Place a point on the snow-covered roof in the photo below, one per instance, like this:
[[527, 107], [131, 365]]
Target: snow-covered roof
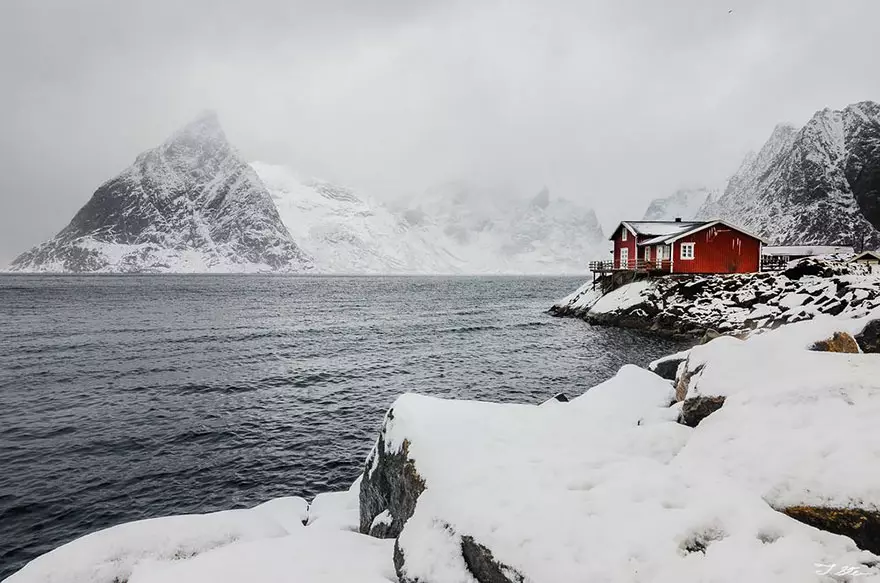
[[655, 228], [875, 255], [805, 250], [670, 232]]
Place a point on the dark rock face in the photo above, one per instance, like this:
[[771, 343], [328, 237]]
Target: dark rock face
[[816, 185], [869, 338], [483, 566], [667, 368], [390, 482], [863, 526], [696, 409], [839, 342], [192, 199]]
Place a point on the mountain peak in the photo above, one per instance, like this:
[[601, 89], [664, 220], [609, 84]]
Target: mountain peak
[[205, 128]]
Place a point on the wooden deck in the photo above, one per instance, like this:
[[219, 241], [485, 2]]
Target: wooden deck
[[637, 265]]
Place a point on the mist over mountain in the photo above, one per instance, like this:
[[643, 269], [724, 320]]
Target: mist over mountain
[[684, 203], [193, 205]]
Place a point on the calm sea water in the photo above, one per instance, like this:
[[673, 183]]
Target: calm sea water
[[127, 397]]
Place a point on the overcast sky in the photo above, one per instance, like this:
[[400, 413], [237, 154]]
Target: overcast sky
[[612, 103]]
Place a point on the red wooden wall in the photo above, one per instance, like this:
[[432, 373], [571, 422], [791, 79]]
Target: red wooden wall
[[630, 244], [718, 249]]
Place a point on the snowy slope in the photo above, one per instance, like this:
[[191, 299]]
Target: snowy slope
[[451, 229], [189, 205], [816, 185], [348, 232], [684, 203]]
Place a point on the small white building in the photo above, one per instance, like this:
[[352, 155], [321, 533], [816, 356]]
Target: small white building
[[787, 253], [870, 258]]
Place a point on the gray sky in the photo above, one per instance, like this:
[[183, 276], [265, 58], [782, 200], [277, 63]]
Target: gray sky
[[613, 102]]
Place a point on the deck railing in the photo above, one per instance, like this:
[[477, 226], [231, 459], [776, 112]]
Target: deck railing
[[630, 265]]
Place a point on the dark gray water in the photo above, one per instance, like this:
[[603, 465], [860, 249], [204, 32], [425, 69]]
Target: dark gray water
[[129, 397]]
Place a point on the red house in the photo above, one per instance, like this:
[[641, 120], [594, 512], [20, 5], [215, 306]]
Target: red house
[[685, 247]]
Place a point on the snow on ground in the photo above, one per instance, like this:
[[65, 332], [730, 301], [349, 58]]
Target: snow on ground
[[109, 555], [336, 510], [797, 426], [514, 476], [622, 298], [580, 300], [304, 556]]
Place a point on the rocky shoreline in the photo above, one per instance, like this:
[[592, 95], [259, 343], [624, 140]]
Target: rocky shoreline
[[690, 305]]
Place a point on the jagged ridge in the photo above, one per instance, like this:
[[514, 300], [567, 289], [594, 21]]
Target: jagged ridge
[[819, 184]]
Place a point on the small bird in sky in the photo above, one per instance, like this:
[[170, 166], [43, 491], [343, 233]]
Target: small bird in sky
[[730, 11]]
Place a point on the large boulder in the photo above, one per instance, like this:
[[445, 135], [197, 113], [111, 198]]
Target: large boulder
[[517, 493]]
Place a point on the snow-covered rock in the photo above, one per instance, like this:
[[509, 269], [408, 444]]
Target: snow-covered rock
[[584, 491], [684, 204], [190, 205], [819, 184], [731, 304], [796, 426]]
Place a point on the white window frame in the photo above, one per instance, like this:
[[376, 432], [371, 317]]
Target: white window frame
[[624, 258], [624, 234], [688, 251], [647, 253]]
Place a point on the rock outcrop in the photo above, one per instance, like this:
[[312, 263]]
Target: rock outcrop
[[390, 484], [736, 304]]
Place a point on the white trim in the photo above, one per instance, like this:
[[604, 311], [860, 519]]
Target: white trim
[[692, 247], [623, 234], [626, 226], [648, 253]]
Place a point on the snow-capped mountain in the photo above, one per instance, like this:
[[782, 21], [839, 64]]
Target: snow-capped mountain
[[819, 184], [684, 203], [190, 205]]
